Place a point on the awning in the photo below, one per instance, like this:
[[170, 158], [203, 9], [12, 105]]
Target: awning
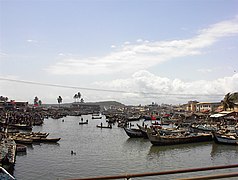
[[221, 114], [218, 115]]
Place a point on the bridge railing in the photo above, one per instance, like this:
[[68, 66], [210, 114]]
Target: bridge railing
[[129, 176]]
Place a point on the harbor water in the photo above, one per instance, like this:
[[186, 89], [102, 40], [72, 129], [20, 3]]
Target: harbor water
[[103, 152]]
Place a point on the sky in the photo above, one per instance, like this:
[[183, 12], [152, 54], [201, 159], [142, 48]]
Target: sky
[[130, 51]]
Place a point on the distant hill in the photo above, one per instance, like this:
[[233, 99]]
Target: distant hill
[[108, 104], [102, 104]]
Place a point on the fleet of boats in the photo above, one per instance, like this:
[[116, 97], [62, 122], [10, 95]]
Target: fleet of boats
[[158, 132], [161, 135]]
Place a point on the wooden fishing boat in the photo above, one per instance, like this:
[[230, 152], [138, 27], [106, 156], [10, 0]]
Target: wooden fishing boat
[[83, 122], [101, 126], [21, 126], [40, 139], [202, 128], [230, 139], [133, 133], [143, 131], [182, 138], [35, 134], [22, 140], [134, 118], [52, 140], [96, 117]]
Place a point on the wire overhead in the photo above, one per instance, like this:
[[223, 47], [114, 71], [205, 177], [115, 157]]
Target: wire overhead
[[104, 90]]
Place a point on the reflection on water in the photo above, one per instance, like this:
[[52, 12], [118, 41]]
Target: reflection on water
[[156, 150], [220, 152], [21, 153]]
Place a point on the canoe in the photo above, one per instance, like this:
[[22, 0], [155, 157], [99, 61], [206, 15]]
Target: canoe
[[96, 117], [133, 133], [21, 126], [22, 140], [157, 139], [53, 140], [86, 122], [100, 126], [225, 139], [39, 139]]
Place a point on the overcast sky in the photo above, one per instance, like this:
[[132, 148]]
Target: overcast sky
[[139, 51]]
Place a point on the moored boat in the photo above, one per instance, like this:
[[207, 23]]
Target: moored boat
[[230, 139], [21, 126], [202, 128], [143, 131], [39, 139], [83, 122], [96, 116], [133, 133], [182, 138], [22, 140], [101, 126]]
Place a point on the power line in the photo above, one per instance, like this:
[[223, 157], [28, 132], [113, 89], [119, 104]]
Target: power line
[[105, 90]]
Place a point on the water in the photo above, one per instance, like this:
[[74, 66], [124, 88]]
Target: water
[[102, 152]]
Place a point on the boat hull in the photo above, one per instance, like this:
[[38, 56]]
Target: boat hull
[[167, 140], [133, 133], [225, 140]]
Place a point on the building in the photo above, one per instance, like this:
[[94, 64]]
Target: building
[[207, 106], [191, 106]]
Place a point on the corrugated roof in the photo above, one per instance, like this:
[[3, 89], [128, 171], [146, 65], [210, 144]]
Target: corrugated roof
[[221, 114]]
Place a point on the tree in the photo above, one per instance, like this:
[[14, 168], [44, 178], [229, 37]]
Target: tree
[[79, 95], [59, 99], [82, 100], [230, 101], [75, 97], [36, 99], [3, 99], [40, 102]]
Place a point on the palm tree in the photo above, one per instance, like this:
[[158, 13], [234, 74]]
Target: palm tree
[[59, 99], [36, 101], [79, 95], [230, 100], [40, 102], [75, 97]]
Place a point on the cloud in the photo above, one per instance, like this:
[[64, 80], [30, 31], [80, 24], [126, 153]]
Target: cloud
[[145, 54], [205, 70], [148, 87], [142, 87], [31, 41], [2, 54]]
